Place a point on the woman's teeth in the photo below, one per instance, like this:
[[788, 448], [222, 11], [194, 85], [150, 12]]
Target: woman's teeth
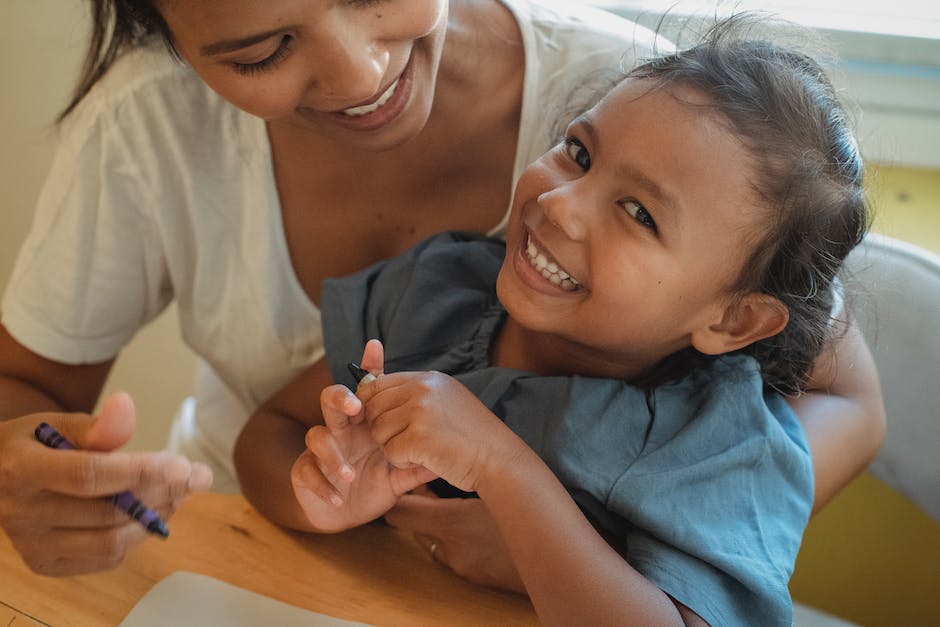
[[369, 108], [549, 269]]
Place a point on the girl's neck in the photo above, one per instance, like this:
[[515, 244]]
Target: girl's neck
[[544, 354]]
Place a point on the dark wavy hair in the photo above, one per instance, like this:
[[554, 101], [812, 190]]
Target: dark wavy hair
[[117, 25], [783, 108]]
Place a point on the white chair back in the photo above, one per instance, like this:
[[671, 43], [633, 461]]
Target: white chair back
[[894, 290]]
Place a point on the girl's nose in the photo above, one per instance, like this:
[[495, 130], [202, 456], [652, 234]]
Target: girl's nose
[[349, 68], [566, 209]]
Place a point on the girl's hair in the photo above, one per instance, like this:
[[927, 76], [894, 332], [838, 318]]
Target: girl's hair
[[117, 25], [808, 173]]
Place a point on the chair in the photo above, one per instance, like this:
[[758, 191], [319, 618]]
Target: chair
[[894, 290], [897, 289]]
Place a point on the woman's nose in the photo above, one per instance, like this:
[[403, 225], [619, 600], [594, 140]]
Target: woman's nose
[[348, 69], [564, 207]]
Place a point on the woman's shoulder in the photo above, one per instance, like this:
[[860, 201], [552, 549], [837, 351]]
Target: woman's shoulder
[[579, 28], [146, 89]]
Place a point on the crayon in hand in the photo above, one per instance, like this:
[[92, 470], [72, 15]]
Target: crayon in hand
[[125, 501], [360, 374]]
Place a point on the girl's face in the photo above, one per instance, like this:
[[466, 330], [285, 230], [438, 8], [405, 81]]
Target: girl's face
[[624, 240], [360, 71]]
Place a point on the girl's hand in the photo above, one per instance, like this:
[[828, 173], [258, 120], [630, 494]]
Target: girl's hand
[[343, 479], [429, 419], [53, 503], [463, 535]]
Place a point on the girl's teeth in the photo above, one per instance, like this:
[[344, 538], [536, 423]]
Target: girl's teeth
[[369, 108], [549, 269]]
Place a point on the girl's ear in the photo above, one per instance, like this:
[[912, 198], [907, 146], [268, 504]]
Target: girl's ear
[[744, 322]]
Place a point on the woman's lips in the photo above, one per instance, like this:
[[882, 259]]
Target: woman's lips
[[384, 108], [369, 107]]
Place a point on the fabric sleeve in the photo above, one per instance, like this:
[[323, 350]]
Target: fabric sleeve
[[427, 306], [91, 271], [719, 497]]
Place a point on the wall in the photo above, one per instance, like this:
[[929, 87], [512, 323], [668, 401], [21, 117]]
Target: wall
[[41, 50]]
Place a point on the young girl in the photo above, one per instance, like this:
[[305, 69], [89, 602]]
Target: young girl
[[666, 279]]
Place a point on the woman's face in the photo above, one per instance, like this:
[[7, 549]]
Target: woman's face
[[625, 239], [360, 71]]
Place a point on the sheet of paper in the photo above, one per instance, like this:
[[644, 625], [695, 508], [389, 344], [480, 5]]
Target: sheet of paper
[[187, 599]]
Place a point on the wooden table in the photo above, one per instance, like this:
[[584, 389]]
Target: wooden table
[[374, 574]]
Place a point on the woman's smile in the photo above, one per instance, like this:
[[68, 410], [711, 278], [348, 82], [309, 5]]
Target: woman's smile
[[381, 109]]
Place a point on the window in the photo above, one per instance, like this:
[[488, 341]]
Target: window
[[887, 64]]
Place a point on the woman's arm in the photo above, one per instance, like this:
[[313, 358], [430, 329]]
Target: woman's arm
[[842, 413]]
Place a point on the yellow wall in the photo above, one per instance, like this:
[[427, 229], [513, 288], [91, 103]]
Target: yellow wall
[[871, 556]]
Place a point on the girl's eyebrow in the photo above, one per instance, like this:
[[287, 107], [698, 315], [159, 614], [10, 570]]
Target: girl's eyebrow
[[230, 45]]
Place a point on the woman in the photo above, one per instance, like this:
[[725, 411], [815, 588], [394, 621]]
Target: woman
[[301, 139]]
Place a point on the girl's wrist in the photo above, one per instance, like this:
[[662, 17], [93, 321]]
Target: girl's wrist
[[508, 454]]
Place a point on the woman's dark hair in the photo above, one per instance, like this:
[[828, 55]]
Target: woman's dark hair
[[808, 173], [117, 25]]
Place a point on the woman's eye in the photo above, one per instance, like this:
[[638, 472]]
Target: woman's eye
[[639, 213], [578, 153], [269, 62]]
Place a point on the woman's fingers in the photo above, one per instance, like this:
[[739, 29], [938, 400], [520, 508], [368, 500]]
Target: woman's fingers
[[91, 474], [59, 552]]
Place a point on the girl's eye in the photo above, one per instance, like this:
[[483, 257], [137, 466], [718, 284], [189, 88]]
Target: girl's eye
[[578, 153], [639, 213], [269, 62]]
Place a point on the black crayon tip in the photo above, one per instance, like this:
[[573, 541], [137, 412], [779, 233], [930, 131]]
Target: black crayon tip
[[158, 528], [357, 372]]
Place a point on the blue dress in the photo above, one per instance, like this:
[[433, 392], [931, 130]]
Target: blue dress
[[704, 485]]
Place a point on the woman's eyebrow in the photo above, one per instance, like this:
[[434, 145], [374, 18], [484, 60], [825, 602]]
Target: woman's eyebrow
[[230, 45]]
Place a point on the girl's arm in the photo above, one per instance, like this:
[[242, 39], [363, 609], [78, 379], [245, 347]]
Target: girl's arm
[[842, 413], [571, 574], [273, 439], [547, 534]]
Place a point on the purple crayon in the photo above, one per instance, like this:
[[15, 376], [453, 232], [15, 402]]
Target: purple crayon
[[125, 501]]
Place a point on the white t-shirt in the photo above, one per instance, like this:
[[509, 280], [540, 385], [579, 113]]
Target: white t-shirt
[[160, 189]]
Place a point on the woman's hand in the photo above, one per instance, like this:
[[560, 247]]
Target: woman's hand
[[463, 536], [53, 503]]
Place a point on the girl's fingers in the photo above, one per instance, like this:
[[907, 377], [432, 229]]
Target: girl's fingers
[[340, 407], [308, 477], [373, 357], [329, 457]]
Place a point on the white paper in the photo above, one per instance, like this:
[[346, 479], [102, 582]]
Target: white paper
[[186, 599]]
